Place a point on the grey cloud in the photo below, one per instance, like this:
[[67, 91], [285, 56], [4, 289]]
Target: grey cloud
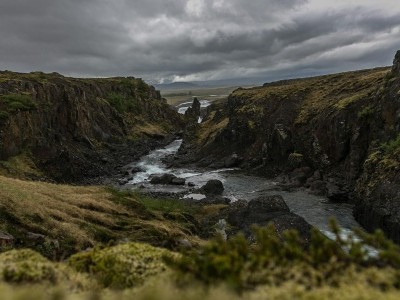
[[193, 39]]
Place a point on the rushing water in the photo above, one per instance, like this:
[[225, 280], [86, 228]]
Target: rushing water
[[314, 209]]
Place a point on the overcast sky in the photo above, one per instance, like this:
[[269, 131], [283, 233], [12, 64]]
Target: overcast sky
[[186, 40]]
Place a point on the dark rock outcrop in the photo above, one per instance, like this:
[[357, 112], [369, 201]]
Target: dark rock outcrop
[[396, 64], [264, 210], [214, 187], [74, 130], [193, 112], [167, 179]]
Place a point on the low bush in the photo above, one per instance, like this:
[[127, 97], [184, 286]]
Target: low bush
[[274, 260]]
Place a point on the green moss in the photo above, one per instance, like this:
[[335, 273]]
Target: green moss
[[27, 266], [123, 103], [16, 102], [367, 112], [344, 102], [392, 146], [122, 266]]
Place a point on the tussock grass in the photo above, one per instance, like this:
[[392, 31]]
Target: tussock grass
[[80, 217]]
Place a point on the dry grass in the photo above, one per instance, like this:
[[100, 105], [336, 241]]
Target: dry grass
[[79, 217], [316, 94], [209, 130]]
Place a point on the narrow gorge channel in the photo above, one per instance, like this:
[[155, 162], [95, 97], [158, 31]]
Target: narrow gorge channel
[[316, 210]]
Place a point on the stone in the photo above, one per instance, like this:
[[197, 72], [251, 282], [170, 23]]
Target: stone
[[6, 240], [396, 64], [136, 170], [264, 210], [191, 184], [336, 194], [178, 181], [35, 236], [318, 187], [163, 179], [214, 187], [295, 160], [231, 161]]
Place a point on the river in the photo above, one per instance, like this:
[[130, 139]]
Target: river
[[316, 210]]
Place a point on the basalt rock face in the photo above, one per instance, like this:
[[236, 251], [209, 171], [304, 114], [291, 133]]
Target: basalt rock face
[[77, 129], [335, 134], [378, 188], [324, 123]]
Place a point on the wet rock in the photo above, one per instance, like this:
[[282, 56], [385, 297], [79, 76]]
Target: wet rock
[[178, 181], [136, 170], [192, 113], [264, 210], [232, 161], [167, 179], [214, 187], [335, 193], [123, 181], [318, 187], [163, 179]]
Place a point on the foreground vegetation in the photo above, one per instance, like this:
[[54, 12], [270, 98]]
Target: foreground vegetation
[[117, 229], [59, 220]]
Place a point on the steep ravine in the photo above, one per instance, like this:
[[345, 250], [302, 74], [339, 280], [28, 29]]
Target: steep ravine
[[77, 130], [334, 135]]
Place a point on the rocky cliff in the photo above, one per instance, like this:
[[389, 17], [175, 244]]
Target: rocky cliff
[[72, 130], [378, 188], [322, 133]]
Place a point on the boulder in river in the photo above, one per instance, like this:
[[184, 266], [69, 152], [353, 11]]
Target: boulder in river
[[264, 210], [178, 181], [214, 187], [167, 179]]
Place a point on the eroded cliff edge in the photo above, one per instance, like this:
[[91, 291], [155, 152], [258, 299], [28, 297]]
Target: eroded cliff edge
[[75, 130], [334, 134]]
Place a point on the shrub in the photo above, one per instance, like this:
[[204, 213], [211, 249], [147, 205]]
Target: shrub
[[122, 103], [275, 260], [391, 146], [17, 102], [27, 266], [366, 112], [121, 266]]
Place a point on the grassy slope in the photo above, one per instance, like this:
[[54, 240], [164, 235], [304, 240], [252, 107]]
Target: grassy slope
[[80, 217], [309, 98], [84, 216]]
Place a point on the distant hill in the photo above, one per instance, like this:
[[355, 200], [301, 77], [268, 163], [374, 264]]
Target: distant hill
[[176, 86]]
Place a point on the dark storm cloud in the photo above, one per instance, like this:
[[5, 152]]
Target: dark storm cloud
[[197, 39]]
